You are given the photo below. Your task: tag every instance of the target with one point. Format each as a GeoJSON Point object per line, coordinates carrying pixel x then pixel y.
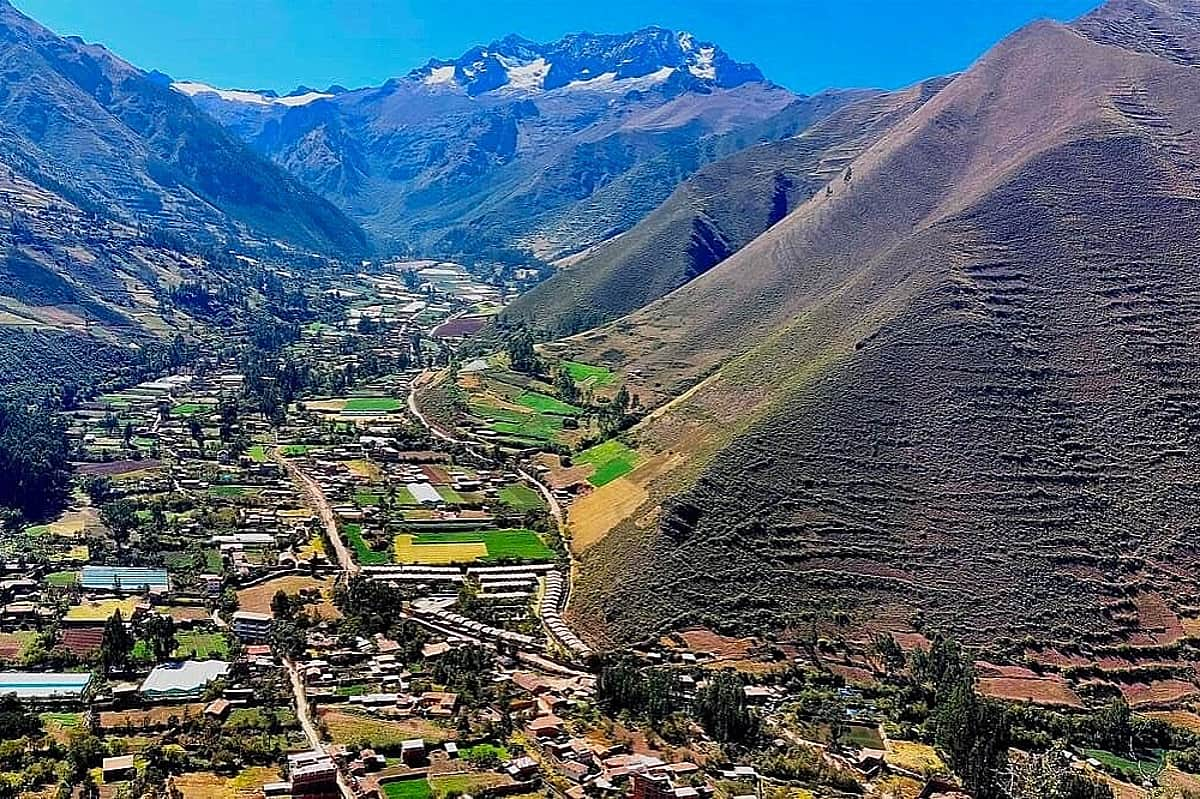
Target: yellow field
{"type": "Point", "coordinates": [206, 785]}
{"type": "Point", "coordinates": [103, 609]}
{"type": "Point", "coordinates": [594, 514]}
{"type": "Point", "coordinates": [437, 554]}
{"type": "Point", "coordinates": [364, 469]}
{"type": "Point", "coordinates": [295, 513]}
{"type": "Point", "coordinates": [73, 523]}
{"type": "Point", "coordinates": [914, 756]}
{"type": "Point", "coordinates": [315, 546]}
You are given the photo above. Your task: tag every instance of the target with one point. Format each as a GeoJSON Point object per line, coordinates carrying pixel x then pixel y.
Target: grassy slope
{"type": "Point", "coordinates": [1005, 268]}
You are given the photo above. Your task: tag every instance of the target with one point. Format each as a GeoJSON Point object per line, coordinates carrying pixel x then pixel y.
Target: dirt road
{"type": "Point", "coordinates": [316, 498]}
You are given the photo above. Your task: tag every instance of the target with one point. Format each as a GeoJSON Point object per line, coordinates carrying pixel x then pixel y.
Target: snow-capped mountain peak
{"type": "Point", "coordinates": [586, 60]}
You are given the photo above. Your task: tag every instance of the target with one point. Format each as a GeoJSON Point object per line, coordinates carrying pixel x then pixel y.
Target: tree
{"type": "Point", "coordinates": [120, 517]}
{"type": "Point", "coordinates": [521, 355]}
{"type": "Point", "coordinates": [99, 488]}
{"type": "Point", "coordinates": [16, 720]}
{"type": "Point", "coordinates": [116, 647]}
{"type": "Point", "coordinates": [159, 632]}
{"type": "Point", "coordinates": [722, 710]}
{"type": "Point", "coordinates": [564, 384]}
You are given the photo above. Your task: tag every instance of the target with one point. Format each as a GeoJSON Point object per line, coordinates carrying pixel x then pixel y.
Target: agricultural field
{"type": "Point", "coordinates": [257, 598]}
{"type": "Point", "coordinates": [363, 552]}
{"type": "Point", "coordinates": [589, 376]}
{"type": "Point", "coordinates": [407, 789]}
{"type": "Point", "coordinates": [246, 784]}
{"type": "Point", "coordinates": [521, 497]}
{"type": "Point", "coordinates": [609, 460]}
{"type": "Point", "coordinates": [350, 728]}
{"type": "Point", "coordinates": [381, 404]}
{"type": "Point", "coordinates": [190, 409]}
{"type": "Point", "coordinates": [464, 547]}
{"type": "Point", "coordinates": [201, 645]}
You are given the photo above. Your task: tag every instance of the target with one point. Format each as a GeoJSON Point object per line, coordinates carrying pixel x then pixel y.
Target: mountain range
{"type": "Point", "coordinates": [540, 148]}
{"type": "Point", "coordinates": [955, 387]}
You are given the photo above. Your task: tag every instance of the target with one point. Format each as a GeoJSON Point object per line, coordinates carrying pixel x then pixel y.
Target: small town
{"type": "Point", "coordinates": [328, 584]}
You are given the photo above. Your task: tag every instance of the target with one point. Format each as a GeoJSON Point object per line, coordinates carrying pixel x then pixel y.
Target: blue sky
{"type": "Point", "coordinates": [805, 45]}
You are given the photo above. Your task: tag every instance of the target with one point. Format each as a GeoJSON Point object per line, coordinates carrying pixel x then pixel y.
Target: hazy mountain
{"type": "Point", "coordinates": [958, 386]}
{"type": "Point", "coordinates": [549, 147]}
{"type": "Point", "coordinates": [129, 145]}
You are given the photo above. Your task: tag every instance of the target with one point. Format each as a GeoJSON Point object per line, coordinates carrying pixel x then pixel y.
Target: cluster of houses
{"type": "Point", "coordinates": [594, 769]}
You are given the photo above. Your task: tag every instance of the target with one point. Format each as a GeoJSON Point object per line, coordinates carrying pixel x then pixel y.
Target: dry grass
{"type": "Point", "coordinates": [206, 785]}
{"type": "Point", "coordinates": [438, 554]}
{"type": "Point", "coordinates": [914, 756]}
{"type": "Point", "coordinates": [365, 469]}
{"type": "Point", "coordinates": [1040, 691]}
{"type": "Point", "coordinates": [102, 609]}
{"type": "Point", "coordinates": [152, 718]}
{"type": "Point", "coordinates": [346, 727]}
{"type": "Point", "coordinates": [593, 515]}
{"type": "Point", "coordinates": [257, 599]}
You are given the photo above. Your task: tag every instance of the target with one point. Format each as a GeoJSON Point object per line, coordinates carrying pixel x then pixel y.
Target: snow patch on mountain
{"type": "Point", "coordinates": [195, 88]}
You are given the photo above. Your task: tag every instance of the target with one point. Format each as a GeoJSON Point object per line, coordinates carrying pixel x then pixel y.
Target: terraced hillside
{"type": "Point", "coordinates": [712, 215]}
{"type": "Point", "coordinates": [959, 388]}
{"type": "Point", "coordinates": [1168, 29]}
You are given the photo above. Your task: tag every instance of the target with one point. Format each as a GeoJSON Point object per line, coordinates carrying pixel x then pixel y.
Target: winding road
{"type": "Point", "coordinates": [552, 502]}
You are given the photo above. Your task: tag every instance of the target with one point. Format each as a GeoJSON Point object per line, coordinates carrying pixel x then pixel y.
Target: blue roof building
{"type": "Point", "coordinates": [125, 579]}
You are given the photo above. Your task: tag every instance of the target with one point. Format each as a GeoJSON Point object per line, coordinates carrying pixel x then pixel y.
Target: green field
{"type": "Point", "coordinates": [541, 428]}
{"type": "Point", "coordinates": [1113, 762]}
{"type": "Point", "coordinates": [294, 450]}
{"type": "Point", "coordinates": [362, 551]}
{"type": "Point", "coordinates": [521, 497]}
{"type": "Point", "coordinates": [205, 645]}
{"type": "Point", "coordinates": [517, 543]}
{"type": "Point", "coordinates": [227, 491]}
{"type": "Point", "coordinates": [407, 789]}
{"type": "Point", "coordinates": [611, 460]}
{"type": "Point", "coordinates": [543, 404]}
{"type": "Point", "coordinates": [365, 498]}
{"type": "Point", "coordinates": [62, 579]}
{"type": "Point", "coordinates": [190, 409]}
{"type": "Point", "coordinates": [450, 496]}
{"type": "Point", "coordinates": [586, 373]}
{"type": "Point", "coordinates": [258, 453]}
{"type": "Point", "coordinates": [372, 404]}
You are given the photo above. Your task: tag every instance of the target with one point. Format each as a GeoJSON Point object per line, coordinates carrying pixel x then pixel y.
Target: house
{"type": "Point", "coordinates": [439, 703]}
{"type": "Point", "coordinates": [312, 773]}
{"type": "Point", "coordinates": [573, 770]}
{"type": "Point", "coordinates": [870, 761]}
{"type": "Point", "coordinates": [217, 709]}
{"type": "Point", "coordinates": [412, 751]}
{"type": "Point", "coordinates": [115, 769]}
{"type": "Point", "coordinates": [249, 626]}
{"type": "Point", "coordinates": [545, 727]}
{"type": "Point", "coordinates": [522, 769]}
{"type": "Point", "coordinates": [179, 681]}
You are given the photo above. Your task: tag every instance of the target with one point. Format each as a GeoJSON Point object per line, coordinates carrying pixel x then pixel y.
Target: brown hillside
{"type": "Point", "coordinates": [964, 383]}
{"type": "Point", "coordinates": [710, 216]}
